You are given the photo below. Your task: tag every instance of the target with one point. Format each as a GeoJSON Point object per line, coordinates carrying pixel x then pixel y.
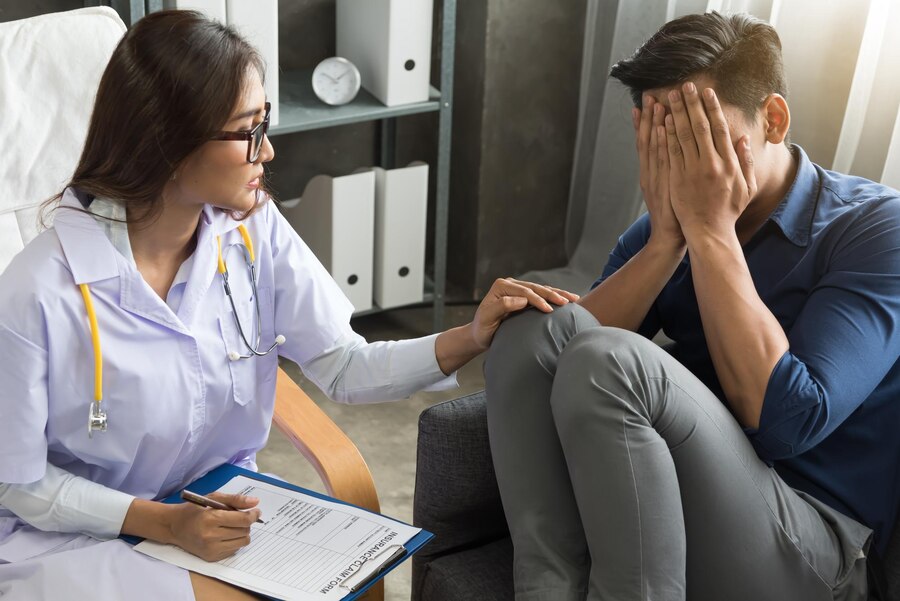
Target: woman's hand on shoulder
{"type": "Point", "coordinates": [508, 296]}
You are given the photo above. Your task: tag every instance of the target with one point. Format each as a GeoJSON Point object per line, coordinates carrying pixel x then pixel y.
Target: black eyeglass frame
{"type": "Point", "coordinates": [249, 135]}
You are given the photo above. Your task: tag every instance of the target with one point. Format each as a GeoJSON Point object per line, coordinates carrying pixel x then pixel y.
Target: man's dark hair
{"type": "Point", "coordinates": [740, 53]}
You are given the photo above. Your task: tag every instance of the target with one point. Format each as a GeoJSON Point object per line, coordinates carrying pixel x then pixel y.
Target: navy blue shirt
{"type": "Point", "coordinates": [827, 264]}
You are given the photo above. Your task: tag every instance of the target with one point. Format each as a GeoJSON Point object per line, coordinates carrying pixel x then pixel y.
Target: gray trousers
{"type": "Point", "coordinates": [624, 477]}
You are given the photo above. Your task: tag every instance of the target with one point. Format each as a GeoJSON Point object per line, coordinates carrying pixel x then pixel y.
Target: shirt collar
{"type": "Point", "coordinates": [90, 254]}
{"type": "Point", "coordinates": [794, 214]}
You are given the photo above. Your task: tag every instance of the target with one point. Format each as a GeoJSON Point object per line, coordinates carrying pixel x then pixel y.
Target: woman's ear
{"type": "Point", "coordinates": [777, 118]}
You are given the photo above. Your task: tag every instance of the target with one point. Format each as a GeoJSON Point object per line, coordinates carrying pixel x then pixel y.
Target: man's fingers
{"type": "Point", "coordinates": [721, 135]}
{"type": "Point", "coordinates": [652, 149]}
{"type": "Point", "coordinates": [643, 134]}
{"type": "Point", "coordinates": [683, 127]}
{"type": "Point", "coordinates": [745, 157]}
{"type": "Point", "coordinates": [676, 158]}
{"type": "Point", "coordinates": [662, 157]}
{"type": "Point", "coordinates": [635, 117]}
{"type": "Point", "coordinates": [699, 122]}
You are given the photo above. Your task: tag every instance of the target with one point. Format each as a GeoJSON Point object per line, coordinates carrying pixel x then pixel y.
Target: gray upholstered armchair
{"type": "Point", "coordinates": [456, 497]}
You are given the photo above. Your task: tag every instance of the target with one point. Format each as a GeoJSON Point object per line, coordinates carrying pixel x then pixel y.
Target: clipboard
{"type": "Point", "coordinates": [218, 477]}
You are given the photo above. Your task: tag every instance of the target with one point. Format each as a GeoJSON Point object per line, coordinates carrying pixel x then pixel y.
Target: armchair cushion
{"type": "Point", "coordinates": [481, 573]}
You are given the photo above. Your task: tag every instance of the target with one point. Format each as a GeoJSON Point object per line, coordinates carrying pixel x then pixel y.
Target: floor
{"type": "Point", "coordinates": [385, 433]}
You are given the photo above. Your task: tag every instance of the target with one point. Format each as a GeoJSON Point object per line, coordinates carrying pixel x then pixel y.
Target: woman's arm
{"type": "Point", "coordinates": [354, 371]}
{"type": "Point", "coordinates": [63, 502]}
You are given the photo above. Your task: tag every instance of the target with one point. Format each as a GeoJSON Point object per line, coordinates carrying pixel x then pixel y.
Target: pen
{"type": "Point", "coordinates": [196, 499]}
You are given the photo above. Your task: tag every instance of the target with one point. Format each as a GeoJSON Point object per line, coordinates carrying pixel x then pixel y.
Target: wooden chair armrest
{"type": "Point", "coordinates": [333, 455]}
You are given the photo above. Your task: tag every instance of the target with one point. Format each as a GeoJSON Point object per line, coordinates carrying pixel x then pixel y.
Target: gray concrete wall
{"type": "Point", "coordinates": [515, 112]}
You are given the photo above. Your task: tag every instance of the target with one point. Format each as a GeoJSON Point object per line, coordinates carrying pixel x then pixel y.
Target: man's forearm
{"type": "Point", "coordinates": [625, 297]}
{"type": "Point", "coordinates": [744, 338]}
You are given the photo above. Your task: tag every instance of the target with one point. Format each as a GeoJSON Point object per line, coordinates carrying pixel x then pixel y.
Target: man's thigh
{"type": "Point", "coordinates": [748, 535]}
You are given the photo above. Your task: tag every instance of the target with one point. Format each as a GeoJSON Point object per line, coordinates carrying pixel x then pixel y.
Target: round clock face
{"type": "Point", "coordinates": [336, 81]}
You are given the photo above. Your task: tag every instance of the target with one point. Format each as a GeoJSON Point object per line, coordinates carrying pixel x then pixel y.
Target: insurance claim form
{"type": "Point", "coordinates": [308, 549]}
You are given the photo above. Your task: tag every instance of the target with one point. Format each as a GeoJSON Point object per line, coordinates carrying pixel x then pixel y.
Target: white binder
{"type": "Point", "coordinates": [389, 41]}
{"type": "Point", "coordinates": [214, 9]}
{"type": "Point", "coordinates": [257, 21]}
{"type": "Point", "coordinates": [336, 218]}
{"type": "Point", "coordinates": [401, 206]}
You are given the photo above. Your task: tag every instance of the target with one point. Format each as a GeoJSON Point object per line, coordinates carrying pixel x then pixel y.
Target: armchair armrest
{"type": "Point", "coordinates": [456, 494]}
{"type": "Point", "coordinates": [333, 455]}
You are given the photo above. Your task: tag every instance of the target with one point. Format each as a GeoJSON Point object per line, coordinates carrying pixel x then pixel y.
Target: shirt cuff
{"type": "Point", "coordinates": [98, 510]}
{"type": "Point", "coordinates": [63, 502]}
{"type": "Point", "coordinates": [418, 359]}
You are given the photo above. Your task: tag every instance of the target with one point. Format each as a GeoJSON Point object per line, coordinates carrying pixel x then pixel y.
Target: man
{"type": "Point", "coordinates": [756, 461]}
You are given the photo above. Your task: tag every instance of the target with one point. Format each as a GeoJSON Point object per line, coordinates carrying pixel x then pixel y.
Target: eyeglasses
{"type": "Point", "coordinates": [254, 136]}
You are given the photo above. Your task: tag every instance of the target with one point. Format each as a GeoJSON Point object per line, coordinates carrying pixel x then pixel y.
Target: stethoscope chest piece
{"type": "Point", "coordinates": [96, 419]}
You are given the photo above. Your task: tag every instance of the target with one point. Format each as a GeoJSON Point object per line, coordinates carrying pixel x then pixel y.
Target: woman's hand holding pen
{"type": "Point", "coordinates": [214, 534]}
{"type": "Point", "coordinates": [456, 347]}
{"type": "Point", "coordinates": [210, 534]}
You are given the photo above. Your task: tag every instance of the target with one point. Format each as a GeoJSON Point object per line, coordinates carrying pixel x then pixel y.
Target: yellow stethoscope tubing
{"type": "Point", "coordinates": [95, 342]}
{"type": "Point", "coordinates": [223, 269]}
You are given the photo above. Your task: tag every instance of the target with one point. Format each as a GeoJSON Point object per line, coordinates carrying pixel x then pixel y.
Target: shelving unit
{"type": "Point", "coordinates": [302, 111]}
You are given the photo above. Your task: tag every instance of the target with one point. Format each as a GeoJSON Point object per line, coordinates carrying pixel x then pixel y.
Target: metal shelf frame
{"type": "Point", "coordinates": [301, 111]}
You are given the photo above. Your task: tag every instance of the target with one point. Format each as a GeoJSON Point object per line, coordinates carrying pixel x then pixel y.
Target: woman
{"type": "Point", "coordinates": [170, 186]}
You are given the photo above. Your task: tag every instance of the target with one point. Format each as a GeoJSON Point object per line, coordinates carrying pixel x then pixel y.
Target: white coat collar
{"type": "Point", "coordinates": [88, 251]}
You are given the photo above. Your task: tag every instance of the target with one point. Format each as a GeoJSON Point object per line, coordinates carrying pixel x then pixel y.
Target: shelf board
{"type": "Point", "coordinates": [301, 110]}
{"type": "Point", "coordinates": [427, 299]}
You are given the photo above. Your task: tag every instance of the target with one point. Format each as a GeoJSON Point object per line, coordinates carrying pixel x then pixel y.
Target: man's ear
{"type": "Point", "coordinates": [777, 118]}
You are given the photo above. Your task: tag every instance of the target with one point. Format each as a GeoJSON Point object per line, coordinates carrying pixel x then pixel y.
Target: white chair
{"type": "Point", "coordinates": [50, 67]}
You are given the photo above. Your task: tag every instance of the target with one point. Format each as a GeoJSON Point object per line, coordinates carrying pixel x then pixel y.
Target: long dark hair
{"type": "Point", "coordinates": [172, 82]}
{"type": "Point", "coordinates": [741, 53]}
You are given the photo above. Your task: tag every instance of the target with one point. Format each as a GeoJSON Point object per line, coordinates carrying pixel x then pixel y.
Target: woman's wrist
{"type": "Point", "coordinates": [456, 347]}
{"type": "Point", "coordinates": [151, 520]}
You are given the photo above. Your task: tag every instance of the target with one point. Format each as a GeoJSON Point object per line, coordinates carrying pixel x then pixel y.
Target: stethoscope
{"type": "Point", "coordinates": [97, 419]}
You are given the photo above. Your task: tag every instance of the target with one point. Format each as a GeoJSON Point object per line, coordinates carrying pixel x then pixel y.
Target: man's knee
{"type": "Point", "coordinates": [617, 363]}
{"type": "Point", "coordinates": [532, 333]}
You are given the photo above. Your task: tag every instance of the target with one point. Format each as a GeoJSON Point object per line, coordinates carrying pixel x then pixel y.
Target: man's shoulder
{"type": "Point", "coordinates": [855, 191]}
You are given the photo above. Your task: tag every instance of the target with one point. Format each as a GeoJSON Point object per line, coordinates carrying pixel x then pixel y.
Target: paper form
{"type": "Point", "coordinates": [305, 549]}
